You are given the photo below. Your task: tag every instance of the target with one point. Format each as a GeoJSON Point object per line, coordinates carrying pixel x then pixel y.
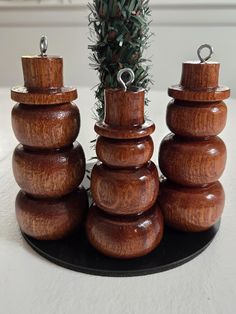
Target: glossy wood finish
{"type": "Point", "coordinates": [124, 153]}
{"type": "Point", "coordinates": [125, 191]}
{"type": "Point", "coordinates": [49, 173]}
{"type": "Point", "coordinates": [125, 185]}
{"type": "Point", "coordinates": [124, 109]}
{"type": "Point", "coordinates": [47, 165]}
{"type": "Point", "coordinates": [191, 209]}
{"type": "Point", "coordinates": [196, 119]}
{"type": "Point", "coordinates": [42, 72]}
{"type": "Point", "coordinates": [124, 116]}
{"type": "Point", "coordinates": [51, 219]}
{"type": "Point", "coordinates": [123, 237]}
{"type": "Point", "coordinates": [193, 158]}
{"type": "Point", "coordinates": [192, 163]}
{"type": "Point", "coordinates": [199, 76]}
{"type": "Point", "coordinates": [51, 97]}
{"type": "Point", "coordinates": [135, 132]}
{"type": "Point", "coordinates": [179, 92]}
{"type": "Point", "coordinates": [46, 126]}
{"type": "Point", "coordinates": [43, 82]}
{"type": "Point", "coordinates": [199, 82]}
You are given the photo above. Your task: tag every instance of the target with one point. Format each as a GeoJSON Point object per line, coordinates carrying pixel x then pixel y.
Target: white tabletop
{"type": "Point", "coordinates": [30, 284]}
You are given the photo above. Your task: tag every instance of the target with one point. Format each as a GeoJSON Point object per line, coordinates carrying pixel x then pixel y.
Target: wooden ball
{"type": "Point", "coordinates": [124, 191]}
{"type": "Point", "coordinates": [125, 237]}
{"type": "Point", "coordinates": [51, 219]}
{"type": "Point", "coordinates": [196, 119]}
{"type": "Point", "coordinates": [191, 209]}
{"type": "Point", "coordinates": [192, 162]}
{"type": "Point", "coordinates": [49, 173]}
{"type": "Point", "coordinates": [124, 153]}
{"type": "Point", "coordinates": [46, 126]}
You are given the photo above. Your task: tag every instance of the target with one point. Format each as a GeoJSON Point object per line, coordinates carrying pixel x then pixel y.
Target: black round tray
{"type": "Point", "coordinates": [77, 254]}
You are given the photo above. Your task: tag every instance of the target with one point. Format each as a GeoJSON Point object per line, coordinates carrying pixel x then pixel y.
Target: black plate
{"type": "Point", "coordinates": [77, 254]}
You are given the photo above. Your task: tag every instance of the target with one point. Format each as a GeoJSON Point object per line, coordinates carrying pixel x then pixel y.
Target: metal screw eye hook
{"type": "Point", "coordinates": [120, 80]}
{"type": "Point", "coordinates": [211, 51]}
{"type": "Point", "coordinates": [43, 45]}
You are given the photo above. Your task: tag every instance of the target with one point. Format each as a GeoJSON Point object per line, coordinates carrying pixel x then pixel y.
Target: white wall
{"type": "Point", "coordinates": [179, 28]}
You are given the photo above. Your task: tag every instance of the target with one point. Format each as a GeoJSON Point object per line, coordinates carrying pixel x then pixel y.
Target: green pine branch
{"type": "Point", "coordinates": [119, 36]}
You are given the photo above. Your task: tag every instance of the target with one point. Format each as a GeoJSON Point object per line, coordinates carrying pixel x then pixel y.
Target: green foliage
{"type": "Point", "coordinates": [119, 34]}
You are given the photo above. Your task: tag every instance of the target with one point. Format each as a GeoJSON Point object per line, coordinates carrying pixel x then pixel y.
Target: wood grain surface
{"type": "Point", "coordinates": [192, 162]}
{"type": "Point", "coordinates": [124, 183]}
{"type": "Point", "coordinates": [51, 219]}
{"type": "Point", "coordinates": [51, 97]}
{"type": "Point", "coordinates": [124, 191]}
{"type": "Point", "coordinates": [191, 209]}
{"type": "Point", "coordinates": [124, 109]}
{"type": "Point", "coordinates": [124, 153]}
{"type": "Point", "coordinates": [42, 72]}
{"type": "Point", "coordinates": [135, 132]}
{"type": "Point", "coordinates": [124, 237]}
{"type": "Point", "coordinates": [199, 82]}
{"type": "Point", "coordinates": [46, 127]}
{"type": "Point", "coordinates": [47, 174]}
{"type": "Point", "coordinates": [43, 82]}
{"type": "Point", "coordinates": [196, 119]}
{"type": "Point", "coordinates": [200, 76]}
{"type": "Point", "coordinates": [193, 157]}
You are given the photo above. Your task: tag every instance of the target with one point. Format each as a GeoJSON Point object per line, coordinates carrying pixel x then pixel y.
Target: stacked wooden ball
{"type": "Point", "coordinates": [48, 165]}
{"type": "Point", "coordinates": [125, 221]}
{"type": "Point", "coordinates": [193, 157]}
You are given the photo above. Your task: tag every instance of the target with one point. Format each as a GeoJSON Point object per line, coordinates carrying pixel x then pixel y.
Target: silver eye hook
{"type": "Point", "coordinates": [120, 80]}
{"type": "Point", "coordinates": [211, 51]}
{"type": "Point", "coordinates": [43, 46]}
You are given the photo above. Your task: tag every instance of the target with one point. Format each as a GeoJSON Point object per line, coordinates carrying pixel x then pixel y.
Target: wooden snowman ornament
{"type": "Point", "coordinates": [125, 221]}
{"type": "Point", "coordinates": [193, 157]}
{"type": "Point", "coordinates": [49, 164]}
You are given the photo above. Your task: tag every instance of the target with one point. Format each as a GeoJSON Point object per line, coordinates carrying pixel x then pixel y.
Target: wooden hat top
{"type": "Point", "coordinates": [124, 108]}
{"type": "Point", "coordinates": [200, 81]}
{"type": "Point", "coordinates": [124, 115]}
{"type": "Point", "coordinates": [42, 72]}
{"type": "Point", "coordinates": [43, 81]}
{"type": "Point", "coordinates": [124, 111]}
